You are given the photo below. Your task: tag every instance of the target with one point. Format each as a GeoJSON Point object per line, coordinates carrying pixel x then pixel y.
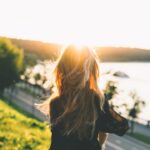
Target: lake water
{"type": "Point", "coordinates": [139, 80]}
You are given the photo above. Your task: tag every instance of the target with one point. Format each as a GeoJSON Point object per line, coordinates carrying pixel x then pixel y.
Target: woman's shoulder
{"type": "Point", "coordinates": [54, 100]}
{"type": "Point", "coordinates": [54, 106]}
{"type": "Point", "coordinates": [98, 101]}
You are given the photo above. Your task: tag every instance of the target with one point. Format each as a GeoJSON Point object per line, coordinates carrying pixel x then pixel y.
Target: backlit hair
{"type": "Point", "coordinates": [76, 77]}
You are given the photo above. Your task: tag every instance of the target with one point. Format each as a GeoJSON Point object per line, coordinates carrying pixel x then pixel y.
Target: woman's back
{"type": "Point", "coordinates": [80, 112]}
{"type": "Point", "coordinates": [107, 121]}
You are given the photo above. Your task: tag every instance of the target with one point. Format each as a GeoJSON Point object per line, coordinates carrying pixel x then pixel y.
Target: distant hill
{"type": "Point", "coordinates": [39, 50]}
{"type": "Point", "coordinates": [123, 54]}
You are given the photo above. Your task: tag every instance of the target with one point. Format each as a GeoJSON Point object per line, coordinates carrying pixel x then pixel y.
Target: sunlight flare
{"type": "Point", "coordinates": [93, 22]}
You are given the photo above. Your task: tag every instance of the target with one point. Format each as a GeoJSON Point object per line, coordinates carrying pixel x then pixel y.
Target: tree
{"type": "Point", "coordinates": [135, 109]}
{"type": "Point", "coordinates": [37, 77]}
{"type": "Point", "coordinates": [110, 89]}
{"type": "Point", "coordinates": [11, 63]}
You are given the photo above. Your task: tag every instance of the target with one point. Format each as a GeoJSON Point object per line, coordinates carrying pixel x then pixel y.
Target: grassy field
{"type": "Point", "coordinates": [20, 132]}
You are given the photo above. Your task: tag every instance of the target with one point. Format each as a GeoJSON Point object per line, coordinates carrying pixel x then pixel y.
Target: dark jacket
{"type": "Point", "coordinates": [108, 121]}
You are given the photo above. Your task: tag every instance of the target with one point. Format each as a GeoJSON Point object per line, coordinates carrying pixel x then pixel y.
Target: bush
{"type": "Point", "coordinates": [11, 63]}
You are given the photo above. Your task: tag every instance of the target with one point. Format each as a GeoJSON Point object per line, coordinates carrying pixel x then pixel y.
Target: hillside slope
{"type": "Point", "coordinates": [19, 132]}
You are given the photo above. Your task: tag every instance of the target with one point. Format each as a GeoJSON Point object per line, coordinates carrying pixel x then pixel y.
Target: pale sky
{"type": "Point", "coordinates": [91, 22]}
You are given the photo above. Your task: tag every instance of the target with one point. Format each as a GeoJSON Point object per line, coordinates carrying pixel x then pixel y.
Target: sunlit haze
{"type": "Point", "coordinates": [91, 22]}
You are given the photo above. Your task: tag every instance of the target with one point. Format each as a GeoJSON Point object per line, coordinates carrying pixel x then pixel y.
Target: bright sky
{"type": "Point", "coordinates": [92, 22]}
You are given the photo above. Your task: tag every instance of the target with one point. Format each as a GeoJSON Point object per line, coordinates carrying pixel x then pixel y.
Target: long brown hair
{"type": "Point", "coordinates": [76, 77]}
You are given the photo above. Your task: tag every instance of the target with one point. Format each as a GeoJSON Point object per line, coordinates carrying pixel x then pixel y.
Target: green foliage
{"type": "Point", "coordinates": [137, 105]}
{"type": "Point", "coordinates": [11, 63]}
{"type": "Point", "coordinates": [110, 89]}
{"type": "Point", "coordinates": [19, 132]}
{"type": "Point", "coordinates": [37, 77]}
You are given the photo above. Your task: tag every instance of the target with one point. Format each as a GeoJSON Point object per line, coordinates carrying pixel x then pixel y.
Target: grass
{"type": "Point", "coordinates": [141, 137]}
{"type": "Point", "coordinates": [20, 132]}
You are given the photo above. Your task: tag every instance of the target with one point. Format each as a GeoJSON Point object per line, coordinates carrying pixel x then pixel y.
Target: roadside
{"type": "Point", "coordinates": [137, 141]}
{"type": "Point", "coordinates": [141, 133]}
{"type": "Point", "coordinates": [124, 143]}
{"type": "Point", "coordinates": [26, 102]}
